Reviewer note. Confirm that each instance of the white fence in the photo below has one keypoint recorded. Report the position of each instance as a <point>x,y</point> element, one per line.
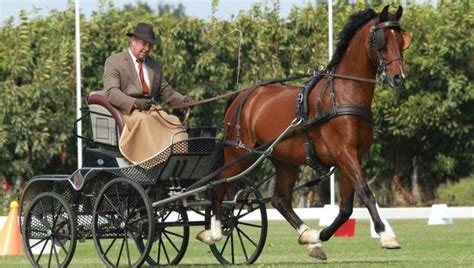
<point>358,213</point>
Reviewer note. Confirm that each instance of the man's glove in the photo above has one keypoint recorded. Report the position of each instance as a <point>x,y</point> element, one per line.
<point>143,104</point>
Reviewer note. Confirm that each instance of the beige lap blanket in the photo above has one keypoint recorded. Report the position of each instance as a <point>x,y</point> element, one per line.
<point>146,134</point>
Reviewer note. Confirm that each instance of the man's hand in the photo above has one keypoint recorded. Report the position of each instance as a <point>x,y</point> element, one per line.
<point>187,100</point>
<point>143,104</point>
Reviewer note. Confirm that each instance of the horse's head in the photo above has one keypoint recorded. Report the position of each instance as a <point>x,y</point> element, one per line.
<point>387,41</point>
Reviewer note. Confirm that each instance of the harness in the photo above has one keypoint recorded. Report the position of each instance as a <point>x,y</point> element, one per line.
<point>377,40</point>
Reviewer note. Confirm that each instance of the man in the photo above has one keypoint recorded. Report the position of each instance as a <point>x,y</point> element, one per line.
<point>133,81</point>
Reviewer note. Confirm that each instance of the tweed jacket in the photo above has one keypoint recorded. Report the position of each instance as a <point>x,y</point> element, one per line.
<point>122,85</point>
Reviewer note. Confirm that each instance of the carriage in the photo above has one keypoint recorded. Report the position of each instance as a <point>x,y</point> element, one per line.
<point>143,213</point>
<point>136,213</point>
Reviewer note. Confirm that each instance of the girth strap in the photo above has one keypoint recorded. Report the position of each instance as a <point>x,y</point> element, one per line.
<point>360,111</point>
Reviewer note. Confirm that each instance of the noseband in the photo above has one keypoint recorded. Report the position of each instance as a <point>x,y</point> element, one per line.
<point>377,40</point>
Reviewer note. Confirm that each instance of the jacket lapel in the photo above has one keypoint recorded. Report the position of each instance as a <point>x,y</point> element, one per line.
<point>130,67</point>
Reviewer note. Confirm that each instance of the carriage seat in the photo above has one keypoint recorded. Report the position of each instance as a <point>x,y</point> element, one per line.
<point>106,120</point>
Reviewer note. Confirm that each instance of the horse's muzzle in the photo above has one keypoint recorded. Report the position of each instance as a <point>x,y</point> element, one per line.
<point>397,80</point>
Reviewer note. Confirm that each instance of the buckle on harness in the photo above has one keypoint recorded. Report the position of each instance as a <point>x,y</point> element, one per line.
<point>299,98</point>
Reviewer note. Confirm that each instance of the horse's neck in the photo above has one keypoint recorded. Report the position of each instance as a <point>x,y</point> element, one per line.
<point>355,62</point>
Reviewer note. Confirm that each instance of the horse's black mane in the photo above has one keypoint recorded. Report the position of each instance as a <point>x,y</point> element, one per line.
<point>353,24</point>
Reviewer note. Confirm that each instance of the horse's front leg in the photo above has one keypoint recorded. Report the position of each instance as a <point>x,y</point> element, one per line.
<point>350,166</point>
<point>345,208</point>
<point>286,175</point>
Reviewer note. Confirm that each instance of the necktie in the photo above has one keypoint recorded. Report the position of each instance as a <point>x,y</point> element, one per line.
<point>145,88</point>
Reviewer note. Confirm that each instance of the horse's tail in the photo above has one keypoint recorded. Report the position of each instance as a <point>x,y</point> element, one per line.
<point>230,101</point>
<point>218,156</point>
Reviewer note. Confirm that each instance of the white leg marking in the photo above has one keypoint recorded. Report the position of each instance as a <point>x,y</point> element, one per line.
<point>302,228</point>
<point>216,229</point>
<point>309,236</point>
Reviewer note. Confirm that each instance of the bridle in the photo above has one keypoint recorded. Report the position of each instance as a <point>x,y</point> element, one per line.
<point>377,40</point>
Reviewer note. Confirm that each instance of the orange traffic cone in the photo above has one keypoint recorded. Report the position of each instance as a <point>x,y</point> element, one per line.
<point>10,241</point>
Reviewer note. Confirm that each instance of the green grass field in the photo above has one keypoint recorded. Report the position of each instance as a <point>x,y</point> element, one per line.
<point>422,246</point>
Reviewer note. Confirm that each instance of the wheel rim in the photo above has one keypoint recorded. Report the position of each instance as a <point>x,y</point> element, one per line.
<point>122,215</point>
<point>48,231</point>
<point>243,238</point>
<point>171,236</point>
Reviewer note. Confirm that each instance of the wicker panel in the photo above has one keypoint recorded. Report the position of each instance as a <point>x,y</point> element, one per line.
<point>148,172</point>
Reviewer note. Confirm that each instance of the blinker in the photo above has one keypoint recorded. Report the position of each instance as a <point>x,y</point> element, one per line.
<point>379,39</point>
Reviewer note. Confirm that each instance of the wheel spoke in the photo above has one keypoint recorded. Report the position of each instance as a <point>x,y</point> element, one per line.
<point>117,194</point>
<point>163,219</point>
<point>164,250</point>
<point>113,206</point>
<point>51,253</point>
<point>56,254</point>
<point>243,204</point>
<point>173,233</point>
<point>43,219</point>
<point>37,243</point>
<point>158,257</point>
<point>225,244</point>
<point>232,247</point>
<point>127,248</point>
<point>61,224</point>
<point>111,244</point>
<point>250,224</point>
<point>62,246</point>
<point>244,234</point>
<point>245,214</point>
<point>55,218</point>
<point>171,242</point>
<point>133,211</point>
<point>120,253</point>
<point>42,250</point>
<point>242,244</point>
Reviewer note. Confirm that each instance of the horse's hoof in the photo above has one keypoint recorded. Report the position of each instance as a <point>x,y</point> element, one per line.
<point>317,252</point>
<point>205,237</point>
<point>389,243</point>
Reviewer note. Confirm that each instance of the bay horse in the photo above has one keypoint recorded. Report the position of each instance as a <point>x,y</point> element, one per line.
<point>339,131</point>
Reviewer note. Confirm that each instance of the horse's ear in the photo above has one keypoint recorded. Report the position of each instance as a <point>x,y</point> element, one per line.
<point>406,40</point>
<point>384,14</point>
<point>399,13</point>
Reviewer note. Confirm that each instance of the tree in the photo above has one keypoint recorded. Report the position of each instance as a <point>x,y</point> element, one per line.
<point>423,131</point>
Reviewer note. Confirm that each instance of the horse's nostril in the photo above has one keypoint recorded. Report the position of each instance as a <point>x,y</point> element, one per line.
<point>398,80</point>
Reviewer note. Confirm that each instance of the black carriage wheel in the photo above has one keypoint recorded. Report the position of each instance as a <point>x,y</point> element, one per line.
<point>243,238</point>
<point>171,236</point>
<point>122,215</point>
<point>49,231</point>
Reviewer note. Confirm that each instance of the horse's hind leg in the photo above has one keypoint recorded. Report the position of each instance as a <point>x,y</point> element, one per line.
<point>286,175</point>
<point>214,234</point>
